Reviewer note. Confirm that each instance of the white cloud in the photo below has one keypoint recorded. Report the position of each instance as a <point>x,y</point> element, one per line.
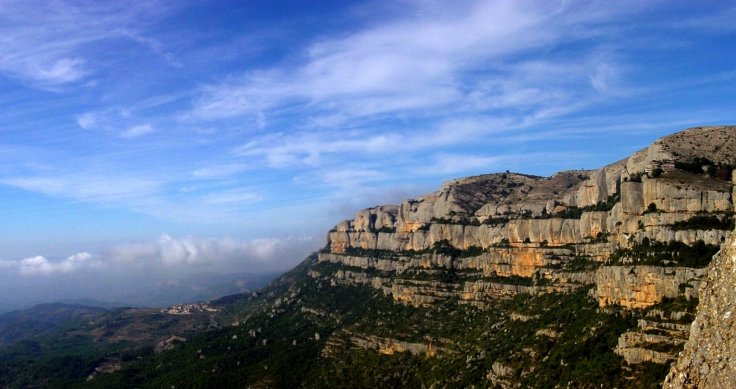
<point>174,256</point>
<point>350,177</point>
<point>450,163</point>
<point>421,62</point>
<point>87,187</point>
<point>232,197</point>
<point>415,66</point>
<point>87,120</point>
<point>39,265</point>
<point>44,42</point>
<point>222,253</point>
<point>62,71</point>
<point>219,171</point>
<point>136,131</point>
<point>284,150</point>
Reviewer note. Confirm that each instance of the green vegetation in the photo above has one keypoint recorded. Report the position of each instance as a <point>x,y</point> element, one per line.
<point>703,165</point>
<point>573,212</point>
<point>678,304</point>
<point>665,254</point>
<point>651,208</point>
<point>443,247</point>
<point>581,263</point>
<point>503,243</point>
<point>600,237</point>
<point>465,221</point>
<point>494,221</point>
<point>705,222</point>
<point>636,177</point>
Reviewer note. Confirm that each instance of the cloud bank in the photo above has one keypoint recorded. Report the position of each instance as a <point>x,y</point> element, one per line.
<point>127,269</point>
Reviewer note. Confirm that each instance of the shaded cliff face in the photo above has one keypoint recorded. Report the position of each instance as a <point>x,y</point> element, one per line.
<point>709,358</point>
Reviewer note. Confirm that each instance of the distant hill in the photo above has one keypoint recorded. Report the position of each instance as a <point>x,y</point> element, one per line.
<point>42,319</point>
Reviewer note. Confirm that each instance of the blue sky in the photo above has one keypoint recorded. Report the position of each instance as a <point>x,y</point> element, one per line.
<point>230,135</point>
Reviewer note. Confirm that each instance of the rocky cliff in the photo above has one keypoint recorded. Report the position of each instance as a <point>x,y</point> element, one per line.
<point>639,231</point>
<point>709,358</point>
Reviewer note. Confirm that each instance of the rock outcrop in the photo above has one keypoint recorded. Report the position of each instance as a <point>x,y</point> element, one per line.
<point>644,286</point>
<point>709,358</point>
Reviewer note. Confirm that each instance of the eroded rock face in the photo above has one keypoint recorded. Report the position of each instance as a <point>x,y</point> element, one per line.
<point>644,193</point>
<point>518,220</point>
<point>709,358</point>
<point>508,216</point>
<point>482,239</point>
<point>643,286</point>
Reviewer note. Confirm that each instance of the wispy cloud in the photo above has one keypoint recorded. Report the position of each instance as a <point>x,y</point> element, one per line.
<point>449,163</point>
<point>137,130</point>
<point>92,187</point>
<point>418,63</point>
<point>54,54</point>
<point>414,66</point>
<point>238,196</point>
<point>87,120</point>
<point>219,171</point>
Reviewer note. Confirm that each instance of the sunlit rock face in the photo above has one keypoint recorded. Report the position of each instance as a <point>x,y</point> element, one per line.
<point>518,221</point>
<point>612,231</point>
<point>709,358</point>
<point>643,286</point>
<point>650,189</point>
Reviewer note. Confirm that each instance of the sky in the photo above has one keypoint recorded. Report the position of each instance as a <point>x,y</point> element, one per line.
<point>160,139</point>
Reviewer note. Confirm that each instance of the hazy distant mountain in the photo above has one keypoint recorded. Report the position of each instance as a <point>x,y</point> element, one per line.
<point>196,288</point>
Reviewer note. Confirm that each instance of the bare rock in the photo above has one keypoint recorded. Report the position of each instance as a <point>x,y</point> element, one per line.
<point>709,358</point>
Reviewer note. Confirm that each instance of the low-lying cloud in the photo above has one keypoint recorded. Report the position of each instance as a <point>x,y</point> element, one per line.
<point>40,265</point>
<point>123,270</point>
<point>256,255</point>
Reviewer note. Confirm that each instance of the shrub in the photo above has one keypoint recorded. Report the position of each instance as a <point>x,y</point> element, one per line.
<point>651,208</point>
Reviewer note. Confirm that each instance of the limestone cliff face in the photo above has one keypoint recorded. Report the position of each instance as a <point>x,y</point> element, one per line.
<point>709,358</point>
<point>517,220</point>
<point>644,286</point>
<point>614,231</point>
<point>644,193</point>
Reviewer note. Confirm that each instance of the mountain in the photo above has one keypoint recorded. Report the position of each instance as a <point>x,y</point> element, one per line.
<point>581,279</point>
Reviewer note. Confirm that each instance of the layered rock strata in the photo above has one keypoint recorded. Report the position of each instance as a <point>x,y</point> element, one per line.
<point>616,230</point>
<point>534,227</point>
